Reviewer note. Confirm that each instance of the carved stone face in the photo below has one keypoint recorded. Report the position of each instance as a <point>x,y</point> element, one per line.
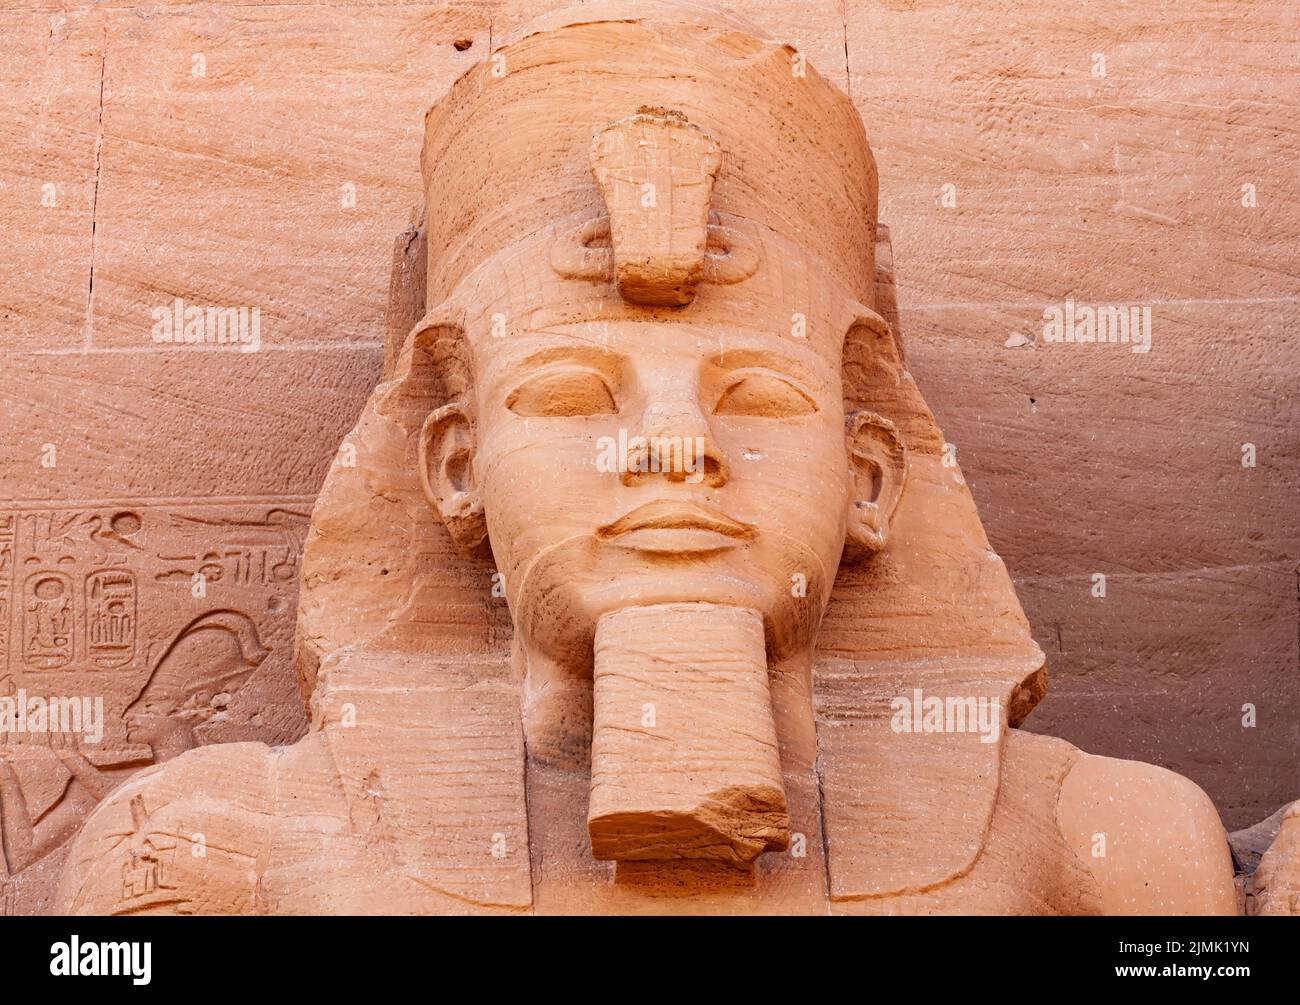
<point>623,463</point>
<point>632,463</point>
<point>624,454</point>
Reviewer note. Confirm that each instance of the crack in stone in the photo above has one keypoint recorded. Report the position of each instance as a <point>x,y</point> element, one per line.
<point>88,336</point>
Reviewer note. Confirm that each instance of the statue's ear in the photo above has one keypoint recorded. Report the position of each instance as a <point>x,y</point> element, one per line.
<point>878,472</point>
<point>447,474</point>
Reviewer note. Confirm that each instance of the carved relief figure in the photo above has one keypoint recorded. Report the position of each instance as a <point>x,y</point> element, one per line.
<point>203,668</point>
<point>752,651</point>
<point>50,782</point>
<point>134,636</point>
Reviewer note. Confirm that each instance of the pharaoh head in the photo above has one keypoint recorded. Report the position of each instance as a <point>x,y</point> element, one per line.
<point>208,662</point>
<point>647,272</point>
<point>653,395</point>
<point>648,280</point>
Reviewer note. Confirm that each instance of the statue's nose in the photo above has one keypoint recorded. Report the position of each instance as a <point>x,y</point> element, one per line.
<point>674,442</point>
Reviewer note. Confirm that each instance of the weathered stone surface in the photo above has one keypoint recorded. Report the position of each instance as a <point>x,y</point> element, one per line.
<point>183,422</point>
<point>1080,449</point>
<point>51,72</point>
<point>1115,189</point>
<point>1096,152</point>
<point>303,119</point>
<point>804,477</point>
<point>1250,843</point>
<point>1274,887</point>
<point>228,189</point>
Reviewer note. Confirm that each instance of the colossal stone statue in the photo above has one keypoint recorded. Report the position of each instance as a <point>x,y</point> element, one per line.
<point>645,582</point>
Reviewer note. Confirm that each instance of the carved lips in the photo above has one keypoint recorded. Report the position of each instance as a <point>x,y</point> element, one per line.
<point>676,526</point>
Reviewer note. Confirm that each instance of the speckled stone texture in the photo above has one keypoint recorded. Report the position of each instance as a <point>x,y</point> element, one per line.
<point>248,155</point>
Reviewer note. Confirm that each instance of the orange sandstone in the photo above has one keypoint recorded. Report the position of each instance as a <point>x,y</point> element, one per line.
<point>753,645</point>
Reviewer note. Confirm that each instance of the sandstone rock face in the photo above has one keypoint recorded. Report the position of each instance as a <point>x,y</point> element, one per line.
<point>266,159</point>
<point>1114,159</point>
<point>599,578</point>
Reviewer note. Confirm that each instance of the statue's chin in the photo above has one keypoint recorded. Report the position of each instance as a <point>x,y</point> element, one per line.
<point>564,593</point>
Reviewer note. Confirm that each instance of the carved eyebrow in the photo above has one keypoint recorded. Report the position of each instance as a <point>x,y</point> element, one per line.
<point>509,375</point>
<point>766,359</point>
<point>607,362</point>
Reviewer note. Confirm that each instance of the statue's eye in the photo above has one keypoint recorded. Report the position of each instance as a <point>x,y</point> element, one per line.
<point>764,395</point>
<point>563,391</point>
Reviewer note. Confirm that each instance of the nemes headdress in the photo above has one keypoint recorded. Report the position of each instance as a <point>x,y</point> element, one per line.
<point>689,114</point>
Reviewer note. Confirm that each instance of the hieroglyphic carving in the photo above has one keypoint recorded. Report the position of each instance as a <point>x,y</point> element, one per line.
<point>115,531</point>
<point>87,609</point>
<point>77,587</point>
<point>48,616</point>
<point>7,529</point>
<point>148,871</point>
<point>51,532</point>
<point>261,551</point>
<point>110,617</point>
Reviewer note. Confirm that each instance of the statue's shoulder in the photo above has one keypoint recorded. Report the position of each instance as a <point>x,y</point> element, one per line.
<point>1152,838</point>
<point>179,838</point>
